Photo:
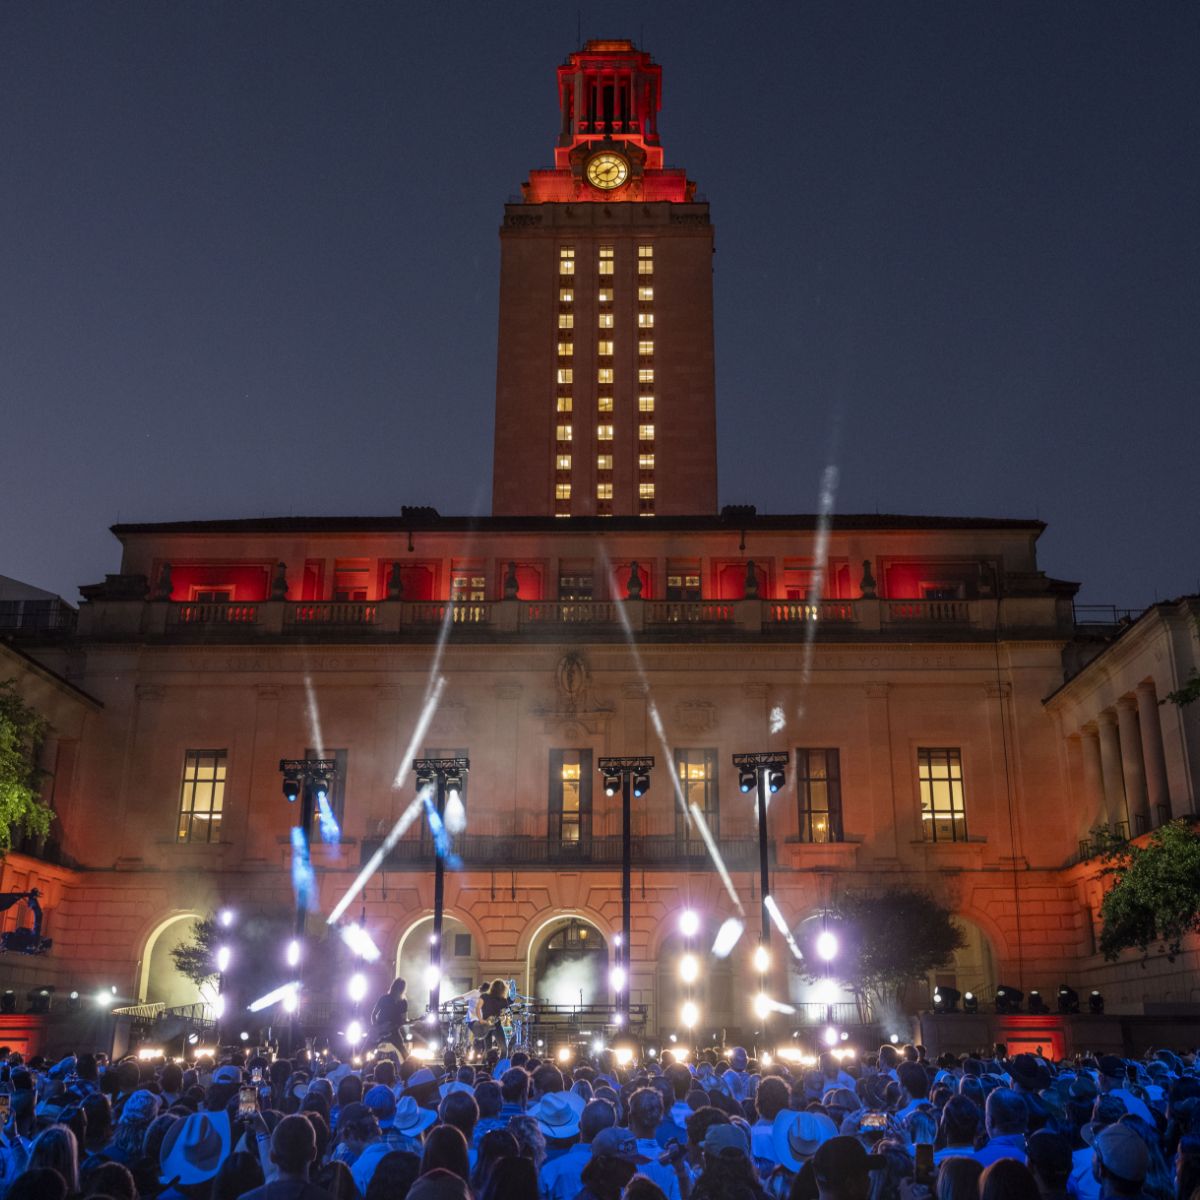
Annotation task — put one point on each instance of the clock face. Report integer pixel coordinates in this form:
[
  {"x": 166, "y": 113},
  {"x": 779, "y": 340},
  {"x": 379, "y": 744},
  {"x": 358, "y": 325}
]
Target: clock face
[{"x": 607, "y": 171}]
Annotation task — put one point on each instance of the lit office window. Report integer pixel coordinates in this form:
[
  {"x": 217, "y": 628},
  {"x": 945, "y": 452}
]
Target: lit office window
[
  {"x": 604, "y": 348},
  {"x": 604, "y": 491},
  {"x": 645, "y": 320},
  {"x": 645, "y": 347},
  {"x": 202, "y": 796},
  {"x": 604, "y": 462},
  {"x": 645, "y": 462},
  {"x": 605, "y": 295},
  {"x": 645, "y": 433},
  {"x": 563, "y": 462},
  {"x": 604, "y": 433},
  {"x": 606, "y": 320},
  {"x": 646, "y": 404},
  {"x": 565, "y": 349},
  {"x": 564, "y": 433},
  {"x": 819, "y": 793},
  {"x": 562, "y": 491},
  {"x": 566, "y": 260},
  {"x": 604, "y": 375},
  {"x": 645, "y": 294},
  {"x": 604, "y": 404},
  {"x": 566, "y": 296},
  {"x": 645, "y": 260},
  {"x": 566, "y": 375},
  {"x": 606, "y": 260},
  {"x": 645, "y": 375},
  {"x": 645, "y": 491},
  {"x": 564, "y": 404},
  {"x": 943, "y": 805},
  {"x": 567, "y": 320}
]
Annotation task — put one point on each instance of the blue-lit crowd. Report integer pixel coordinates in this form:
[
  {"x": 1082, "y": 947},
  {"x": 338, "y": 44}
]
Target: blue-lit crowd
[{"x": 887, "y": 1125}]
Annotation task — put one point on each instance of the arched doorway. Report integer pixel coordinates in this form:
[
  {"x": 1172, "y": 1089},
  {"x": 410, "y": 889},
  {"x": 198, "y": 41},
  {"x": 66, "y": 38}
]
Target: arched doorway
[
  {"x": 158, "y": 980},
  {"x": 568, "y": 964},
  {"x": 973, "y": 967},
  {"x": 460, "y": 960}
]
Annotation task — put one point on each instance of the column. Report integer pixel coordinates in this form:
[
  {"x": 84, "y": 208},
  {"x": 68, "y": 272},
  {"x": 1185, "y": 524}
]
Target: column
[
  {"x": 1132, "y": 768},
  {"x": 1158, "y": 795},
  {"x": 1093, "y": 775},
  {"x": 1110, "y": 768}
]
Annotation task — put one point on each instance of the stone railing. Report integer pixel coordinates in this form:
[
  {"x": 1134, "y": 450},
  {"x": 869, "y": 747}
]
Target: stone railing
[{"x": 667, "y": 619}]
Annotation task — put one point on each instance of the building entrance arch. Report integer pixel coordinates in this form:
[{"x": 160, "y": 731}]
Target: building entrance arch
[
  {"x": 568, "y": 963},
  {"x": 973, "y": 968},
  {"x": 158, "y": 979}
]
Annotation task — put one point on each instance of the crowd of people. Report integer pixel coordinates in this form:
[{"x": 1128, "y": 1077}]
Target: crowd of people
[{"x": 882, "y": 1126}]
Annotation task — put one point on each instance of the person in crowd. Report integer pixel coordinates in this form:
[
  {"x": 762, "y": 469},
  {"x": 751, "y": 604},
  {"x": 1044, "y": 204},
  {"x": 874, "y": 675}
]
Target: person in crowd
[
  {"x": 1007, "y": 1179},
  {"x": 439, "y": 1185},
  {"x": 1157, "y": 1182},
  {"x": 115, "y": 1181},
  {"x": 394, "y": 1176},
  {"x": 460, "y": 1110},
  {"x": 531, "y": 1142},
  {"x": 1084, "y": 1183},
  {"x": 57, "y": 1149},
  {"x": 958, "y": 1179},
  {"x": 1114, "y": 1081},
  {"x": 645, "y": 1116},
  {"x": 493, "y": 1146},
  {"x": 39, "y": 1183},
  {"x": 771, "y": 1098},
  {"x": 613, "y": 1164},
  {"x": 359, "y": 1131},
  {"x": 490, "y": 1099},
  {"x": 1007, "y": 1117},
  {"x": 336, "y": 1179},
  {"x": 562, "y": 1177},
  {"x": 557, "y": 1115},
  {"x": 914, "y": 1084},
  {"x": 1048, "y": 1156},
  {"x": 293, "y": 1152},
  {"x": 1120, "y": 1161},
  {"x": 727, "y": 1172},
  {"x": 446, "y": 1148},
  {"x": 514, "y": 1093},
  {"x": 240, "y": 1173},
  {"x": 512, "y": 1179},
  {"x": 737, "y": 1078}
]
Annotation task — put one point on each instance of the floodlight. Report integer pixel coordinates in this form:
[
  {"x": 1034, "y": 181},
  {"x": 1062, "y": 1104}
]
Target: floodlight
[
  {"x": 689, "y": 923},
  {"x": 293, "y": 952},
  {"x": 612, "y": 784},
  {"x": 223, "y": 956},
  {"x": 1008, "y": 999},
  {"x": 970, "y": 1002},
  {"x": 762, "y": 958},
  {"x": 1068, "y": 999},
  {"x": 1096, "y": 1004},
  {"x": 357, "y": 987},
  {"x": 747, "y": 778},
  {"x": 617, "y": 978},
  {"x": 689, "y": 968},
  {"x": 945, "y": 999},
  {"x": 641, "y": 784},
  {"x": 225, "y": 917},
  {"x": 291, "y": 787},
  {"x": 775, "y": 779},
  {"x": 689, "y": 1015},
  {"x": 827, "y": 945},
  {"x": 1037, "y": 1004}
]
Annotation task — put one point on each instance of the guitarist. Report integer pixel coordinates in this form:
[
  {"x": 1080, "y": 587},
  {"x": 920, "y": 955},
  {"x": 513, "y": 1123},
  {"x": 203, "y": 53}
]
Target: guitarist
[
  {"x": 390, "y": 1016},
  {"x": 494, "y": 1001}
]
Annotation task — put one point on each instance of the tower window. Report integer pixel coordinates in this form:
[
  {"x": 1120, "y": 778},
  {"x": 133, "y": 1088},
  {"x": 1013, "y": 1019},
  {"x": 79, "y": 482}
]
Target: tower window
[
  {"x": 645, "y": 462},
  {"x": 645, "y": 491},
  {"x": 604, "y": 404},
  {"x": 202, "y": 796},
  {"x": 564, "y": 404},
  {"x": 604, "y": 375},
  {"x": 646, "y": 404},
  {"x": 566, "y": 261},
  {"x": 943, "y": 806},
  {"x": 606, "y": 320},
  {"x": 645, "y": 375},
  {"x": 645, "y": 294},
  {"x": 604, "y": 433},
  {"x": 563, "y": 462},
  {"x": 566, "y": 375},
  {"x": 567, "y": 320},
  {"x": 604, "y": 462},
  {"x": 605, "y": 296},
  {"x": 606, "y": 260},
  {"x": 564, "y": 433},
  {"x": 645, "y": 347},
  {"x": 645, "y": 260},
  {"x": 604, "y": 491},
  {"x": 646, "y": 433},
  {"x": 645, "y": 320},
  {"x": 566, "y": 348},
  {"x": 819, "y": 792},
  {"x": 566, "y": 296},
  {"x": 604, "y": 348},
  {"x": 562, "y": 491}
]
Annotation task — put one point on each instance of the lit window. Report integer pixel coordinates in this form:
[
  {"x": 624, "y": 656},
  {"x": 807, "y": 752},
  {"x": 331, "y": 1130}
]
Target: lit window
[
  {"x": 819, "y": 791},
  {"x": 606, "y": 260},
  {"x": 604, "y": 433},
  {"x": 604, "y": 403},
  {"x": 697, "y": 773},
  {"x": 643, "y": 252},
  {"x": 604, "y": 375},
  {"x": 566, "y": 261},
  {"x": 645, "y": 462},
  {"x": 567, "y": 320},
  {"x": 646, "y": 433},
  {"x": 645, "y": 260},
  {"x": 563, "y": 513},
  {"x": 604, "y": 491},
  {"x": 943, "y": 807},
  {"x": 566, "y": 375},
  {"x": 645, "y": 294},
  {"x": 645, "y": 320},
  {"x": 564, "y": 433},
  {"x": 606, "y": 296},
  {"x": 644, "y": 347},
  {"x": 567, "y": 348},
  {"x": 201, "y": 796},
  {"x": 603, "y": 462},
  {"x": 566, "y": 296},
  {"x": 645, "y": 491},
  {"x": 606, "y": 320},
  {"x": 645, "y": 404},
  {"x": 562, "y": 491},
  {"x": 571, "y": 802},
  {"x": 604, "y": 348},
  {"x": 564, "y": 404},
  {"x": 563, "y": 462},
  {"x": 645, "y": 375}
]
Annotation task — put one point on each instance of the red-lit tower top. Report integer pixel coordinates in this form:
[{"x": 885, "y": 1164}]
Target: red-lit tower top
[{"x": 608, "y": 148}]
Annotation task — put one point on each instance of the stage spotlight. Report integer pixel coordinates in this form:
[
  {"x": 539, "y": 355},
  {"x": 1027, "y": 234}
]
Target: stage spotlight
[
  {"x": 105, "y": 998},
  {"x": 1068, "y": 1000},
  {"x": 357, "y": 987},
  {"x": 762, "y": 1006},
  {"x": 894, "y": 1039},
  {"x": 1096, "y": 1004},
  {"x": 291, "y": 1001},
  {"x": 291, "y": 787},
  {"x": 827, "y": 945},
  {"x": 245, "y": 1037},
  {"x": 424, "y": 779},
  {"x": 354, "y": 1032},
  {"x": 617, "y": 978},
  {"x": 218, "y": 1007},
  {"x": 689, "y": 923},
  {"x": 689, "y": 1015},
  {"x": 223, "y": 956},
  {"x": 689, "y": 968},
  {"x": 8, "y": 1002},
  {"x": 830, "y": 1037},
  {"x": 775, "y": 780},
  {"x": 73, "y": 1002},
  {"x": 1037, "y": 1004},
  {"x": 612, "y": 784},
  {"x": 641, "y": 784},
  {"x": 945, "y": 999},
  {"x": 762, "y": 958},
  {"x": 970, "y": 1002},
  {"x": 455, "y": 815},
  {"x": 225, "y": 918},
  {"x": 747, "y": 778},
  {"x": 293, "y": 952},
  {"x": 433, "y": 976},
  {"x": 320, "y": 785},
  {"x": 1008, "y": 999}
]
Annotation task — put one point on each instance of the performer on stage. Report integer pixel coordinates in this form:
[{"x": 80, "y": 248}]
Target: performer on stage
[
  {"x": 491, "y": 1006},
  {"x": 390, "y": 1015}
]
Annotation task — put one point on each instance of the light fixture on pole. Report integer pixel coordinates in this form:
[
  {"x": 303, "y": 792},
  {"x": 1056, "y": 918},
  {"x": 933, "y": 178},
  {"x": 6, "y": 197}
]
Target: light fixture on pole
[
  {"x": 302, "y": 778},
  {"x": 631, "y": 776},
  {"x": 762, "y": 771},
  {"x": 443, "y": 775}
]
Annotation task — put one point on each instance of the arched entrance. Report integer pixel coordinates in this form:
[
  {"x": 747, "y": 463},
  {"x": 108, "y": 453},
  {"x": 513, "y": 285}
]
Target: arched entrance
[
  {"x": 568, "y": 964},
  {"x": 158, "y": 979},
  {"x": 460, "y": 960},
  {"x": 973, "y": 967}
]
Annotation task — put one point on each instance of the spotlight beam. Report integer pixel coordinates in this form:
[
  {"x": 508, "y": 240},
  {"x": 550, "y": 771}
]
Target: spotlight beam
[
  {"x": 280, "y": 993},
  {"x": 407, "y": 817},
  {"x": 780, "y": 924}
]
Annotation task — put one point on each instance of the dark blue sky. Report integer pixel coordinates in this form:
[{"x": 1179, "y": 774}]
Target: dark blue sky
[{"x": 248, "y": 260}]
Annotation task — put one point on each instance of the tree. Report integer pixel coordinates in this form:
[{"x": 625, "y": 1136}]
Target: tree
[
  {"x": 22, "y": 731},
  {"x": 890, "y": 939},
  {"x": 1155, "y": 895}
]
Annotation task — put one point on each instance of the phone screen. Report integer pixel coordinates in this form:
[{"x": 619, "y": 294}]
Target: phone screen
[
  {"x": 256, "y": 1075},
  {"x": 247, "y": 1101},
  {"x": 923, "y": 1163}
]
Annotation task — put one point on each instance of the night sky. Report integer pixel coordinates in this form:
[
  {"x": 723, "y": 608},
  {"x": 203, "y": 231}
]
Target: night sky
[{"x": 249, "y": 260}]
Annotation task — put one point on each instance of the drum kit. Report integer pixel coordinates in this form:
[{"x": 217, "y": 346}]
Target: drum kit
[{"x": 465, "y": 1035}]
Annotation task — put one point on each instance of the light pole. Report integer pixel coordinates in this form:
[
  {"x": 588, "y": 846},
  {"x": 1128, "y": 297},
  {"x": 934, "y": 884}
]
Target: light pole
[
  {"x": 763, "y": 771},
  {"x": 626, "y": 775},
  {"x": 445, "y": 776},
  {"x": 306, "y": 779}
]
